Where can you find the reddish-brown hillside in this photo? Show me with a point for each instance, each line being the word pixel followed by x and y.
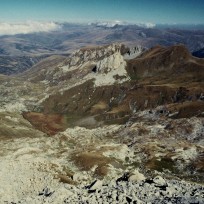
pixel 175 64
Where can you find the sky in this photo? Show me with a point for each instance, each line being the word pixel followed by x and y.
pixel 154 11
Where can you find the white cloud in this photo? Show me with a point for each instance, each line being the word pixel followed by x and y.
pixel 27 27
pixel 112 23
pixel 109 24
pixel 146 25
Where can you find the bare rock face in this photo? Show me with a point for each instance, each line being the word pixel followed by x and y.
pixel 114 61
pixel 136 176
pixel 134 52
pixel 96 185
pixel 109 69
pixel 103 64
pixel 159 181
pixel 92 54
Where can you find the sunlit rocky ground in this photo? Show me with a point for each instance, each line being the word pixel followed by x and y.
pixel 104 126
pixel 37 168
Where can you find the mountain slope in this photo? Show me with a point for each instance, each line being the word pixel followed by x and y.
pixel 162 62
pixel 99 85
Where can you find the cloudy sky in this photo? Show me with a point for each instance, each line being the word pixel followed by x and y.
pixel 26 16
pixel 155 11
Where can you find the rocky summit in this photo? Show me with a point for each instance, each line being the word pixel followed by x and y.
pixel 106 124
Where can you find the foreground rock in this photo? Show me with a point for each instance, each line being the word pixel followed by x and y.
pixel 155 190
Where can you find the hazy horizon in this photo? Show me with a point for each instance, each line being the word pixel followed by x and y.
pixel 145 11
pixel 27 16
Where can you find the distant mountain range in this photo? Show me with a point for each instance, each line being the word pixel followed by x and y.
pixel 21 51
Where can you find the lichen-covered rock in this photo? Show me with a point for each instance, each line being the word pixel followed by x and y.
pixel 136 176
pixel 158 180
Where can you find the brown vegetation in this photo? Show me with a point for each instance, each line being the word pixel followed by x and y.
pixel 50 124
